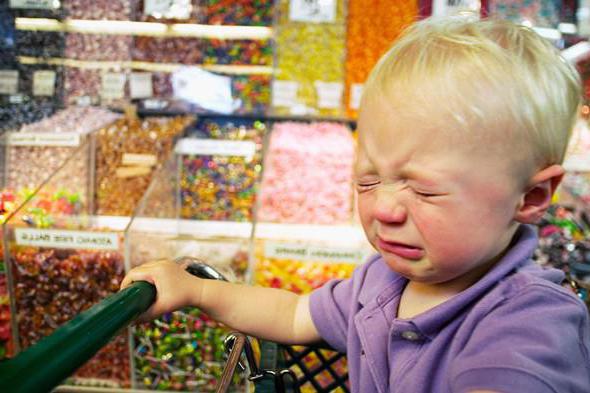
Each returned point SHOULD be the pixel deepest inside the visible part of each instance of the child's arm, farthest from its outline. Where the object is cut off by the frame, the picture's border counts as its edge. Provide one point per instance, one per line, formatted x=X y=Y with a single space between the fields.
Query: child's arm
x=267 y=313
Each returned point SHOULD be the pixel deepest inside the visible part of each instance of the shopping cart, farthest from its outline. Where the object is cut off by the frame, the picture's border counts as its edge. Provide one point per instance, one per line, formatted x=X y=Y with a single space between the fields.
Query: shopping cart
x=45 y=365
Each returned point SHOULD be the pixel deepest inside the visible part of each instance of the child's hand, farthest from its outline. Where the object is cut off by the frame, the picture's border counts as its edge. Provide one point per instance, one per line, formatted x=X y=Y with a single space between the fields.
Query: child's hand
x=175 y=287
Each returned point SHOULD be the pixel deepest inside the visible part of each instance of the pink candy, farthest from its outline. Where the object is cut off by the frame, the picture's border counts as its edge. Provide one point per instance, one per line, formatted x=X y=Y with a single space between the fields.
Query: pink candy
x=308 y=174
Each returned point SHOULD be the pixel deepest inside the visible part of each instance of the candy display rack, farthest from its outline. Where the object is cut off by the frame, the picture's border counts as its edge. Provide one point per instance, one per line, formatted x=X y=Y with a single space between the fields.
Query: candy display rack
x=183 y=350
x=61 y=260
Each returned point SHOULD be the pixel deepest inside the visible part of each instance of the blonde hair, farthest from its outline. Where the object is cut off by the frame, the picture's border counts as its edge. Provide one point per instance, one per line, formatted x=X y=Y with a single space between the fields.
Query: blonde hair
x=503 y=77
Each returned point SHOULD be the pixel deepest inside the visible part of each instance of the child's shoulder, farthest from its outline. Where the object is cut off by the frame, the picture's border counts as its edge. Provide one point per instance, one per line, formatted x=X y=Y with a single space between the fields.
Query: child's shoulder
x=534 y=287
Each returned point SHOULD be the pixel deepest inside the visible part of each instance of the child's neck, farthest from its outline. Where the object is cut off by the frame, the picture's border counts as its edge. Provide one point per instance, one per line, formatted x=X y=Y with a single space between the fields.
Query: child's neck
x=419 y=297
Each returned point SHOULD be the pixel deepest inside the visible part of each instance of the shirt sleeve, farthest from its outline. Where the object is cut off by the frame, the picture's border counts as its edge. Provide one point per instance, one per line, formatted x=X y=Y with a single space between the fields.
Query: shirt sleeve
x=536 y=342
x=333 y=305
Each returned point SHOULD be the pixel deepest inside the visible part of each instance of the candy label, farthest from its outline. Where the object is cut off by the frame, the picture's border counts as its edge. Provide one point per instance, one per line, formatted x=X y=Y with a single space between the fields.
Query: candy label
x=139 y=159
x=43 y=83
x=38 y=4
x=140 y=85
x=68 y=139
x=16 y=99
x=8 y=81
x=312 y=253
x=284 y=93
x=215 y=147
x=84 y=101
x=356 y=92
x=315 y=11
x=113 y=85
x=66 y=239
x=329 y=94
x=176 y=9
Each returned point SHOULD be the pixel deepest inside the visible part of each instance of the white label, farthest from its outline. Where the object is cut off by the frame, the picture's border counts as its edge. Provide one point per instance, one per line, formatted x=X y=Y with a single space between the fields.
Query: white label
x=139 y=159
x=456 y=7
x=215 y=147
x=329 y=94
x=156 y=6
x=140 y=85
x=113 y=85
x=8 y=81
x=84 y=101
x=155 y=104
x=66 y=239
x=43 y=83
x=69 y=139
x=38 y=4
x=315 y=11
x=284 y=93
x=312 y=253
x=356 y=92
x=16 y=99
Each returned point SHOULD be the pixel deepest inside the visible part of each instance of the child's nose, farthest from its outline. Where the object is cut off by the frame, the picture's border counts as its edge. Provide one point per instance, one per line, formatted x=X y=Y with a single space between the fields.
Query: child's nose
x=389 y=209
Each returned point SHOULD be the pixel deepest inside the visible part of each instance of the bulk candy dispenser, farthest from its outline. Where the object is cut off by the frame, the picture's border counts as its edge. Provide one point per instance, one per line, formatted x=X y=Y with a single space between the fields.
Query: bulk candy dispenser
x=182 y=351
x=303 y=160
x=128 y=152
x=310 y=54
x=301 y=258
x=61 y=260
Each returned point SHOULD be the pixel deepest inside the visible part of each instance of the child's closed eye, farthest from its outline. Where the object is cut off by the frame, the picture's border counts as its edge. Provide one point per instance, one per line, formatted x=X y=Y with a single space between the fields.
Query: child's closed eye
x=366 y=185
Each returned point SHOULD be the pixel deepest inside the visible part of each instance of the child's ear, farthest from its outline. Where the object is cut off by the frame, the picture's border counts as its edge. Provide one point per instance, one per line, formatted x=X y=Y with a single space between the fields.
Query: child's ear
x=537 y=198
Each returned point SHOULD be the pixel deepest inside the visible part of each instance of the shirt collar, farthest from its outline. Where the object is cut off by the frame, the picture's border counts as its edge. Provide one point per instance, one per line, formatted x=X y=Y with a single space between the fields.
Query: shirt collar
x=431 y=322
x=385 y=284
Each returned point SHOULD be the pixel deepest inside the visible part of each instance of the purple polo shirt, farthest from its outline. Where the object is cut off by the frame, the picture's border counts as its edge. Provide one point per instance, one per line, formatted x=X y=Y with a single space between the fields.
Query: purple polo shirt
x=515 y=330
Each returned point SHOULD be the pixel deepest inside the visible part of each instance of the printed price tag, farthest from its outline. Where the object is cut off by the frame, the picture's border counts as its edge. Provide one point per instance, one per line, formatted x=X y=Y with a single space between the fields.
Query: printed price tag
x=8 y=81
x=37 y=4
x=284 y=93
x=139 y=159
x=140 y=85
x=315 y=11
x=312 y=253
x=156 y=6
x=60 y=139
x=329 y=94
x=66 y=239
x=16 y=99
x=113 y=85
x=356 y=92
x=44 y=83
x=215 y=147
x=84 y=101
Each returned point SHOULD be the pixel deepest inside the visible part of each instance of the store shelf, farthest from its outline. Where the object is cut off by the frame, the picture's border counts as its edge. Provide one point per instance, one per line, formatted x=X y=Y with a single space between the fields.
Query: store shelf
x=146 y=66
x=152 y=29
x=334 y=234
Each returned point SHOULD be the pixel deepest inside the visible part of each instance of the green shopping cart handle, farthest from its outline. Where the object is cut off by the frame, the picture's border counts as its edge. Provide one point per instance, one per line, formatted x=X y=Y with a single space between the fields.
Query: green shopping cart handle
x=46 y=364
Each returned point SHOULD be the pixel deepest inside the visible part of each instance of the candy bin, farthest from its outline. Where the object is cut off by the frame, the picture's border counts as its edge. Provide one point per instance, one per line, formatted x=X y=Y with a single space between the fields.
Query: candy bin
x=370 y=32
x=310 y=54
x=128 y=152
x=183 y=350
x=308 y=174
x=221 y=165
x=564 y=234
x=301 y=258
x=61 y=261
x=37 y=151
x=245 y=12
x=539 y=13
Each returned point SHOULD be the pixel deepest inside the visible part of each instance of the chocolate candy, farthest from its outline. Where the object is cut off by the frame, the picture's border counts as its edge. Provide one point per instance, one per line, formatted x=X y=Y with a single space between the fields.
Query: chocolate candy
x=82 y=85
x=222 y=188
x=98 y=9
x=300 y=159
x=120 y=184
x=98 y=47
x=383 y=21
x=46 y=44
x=54 y=285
